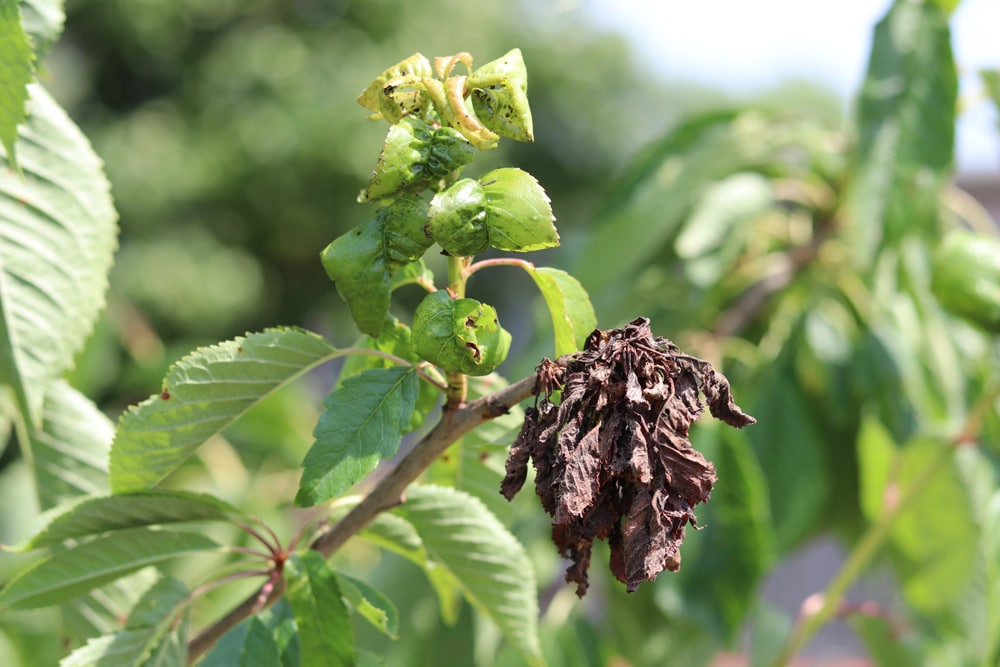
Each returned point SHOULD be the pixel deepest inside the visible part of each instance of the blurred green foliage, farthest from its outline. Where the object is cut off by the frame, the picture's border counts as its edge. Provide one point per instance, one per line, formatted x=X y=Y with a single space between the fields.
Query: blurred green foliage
x=763 y=237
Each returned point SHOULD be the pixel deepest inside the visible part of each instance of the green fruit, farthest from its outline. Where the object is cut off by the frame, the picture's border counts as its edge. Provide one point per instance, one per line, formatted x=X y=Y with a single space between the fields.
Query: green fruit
x=459 y=335
x=966 y=277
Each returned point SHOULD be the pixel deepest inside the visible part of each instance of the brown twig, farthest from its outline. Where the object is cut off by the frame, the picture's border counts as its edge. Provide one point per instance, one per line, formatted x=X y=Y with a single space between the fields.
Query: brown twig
x=388 y=493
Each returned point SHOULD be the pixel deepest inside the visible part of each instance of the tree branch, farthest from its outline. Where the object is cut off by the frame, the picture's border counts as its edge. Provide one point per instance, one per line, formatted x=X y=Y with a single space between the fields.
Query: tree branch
x=388 y=493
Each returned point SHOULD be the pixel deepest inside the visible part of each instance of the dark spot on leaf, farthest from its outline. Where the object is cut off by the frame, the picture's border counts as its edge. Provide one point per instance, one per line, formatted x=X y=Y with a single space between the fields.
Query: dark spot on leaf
x=165 y=395
x=239 y=350
x=471 y=323
x=477 y=354
x=613 y=460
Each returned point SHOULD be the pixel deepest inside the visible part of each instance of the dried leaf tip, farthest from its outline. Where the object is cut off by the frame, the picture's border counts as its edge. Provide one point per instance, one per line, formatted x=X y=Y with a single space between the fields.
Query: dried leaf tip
x=613 y=459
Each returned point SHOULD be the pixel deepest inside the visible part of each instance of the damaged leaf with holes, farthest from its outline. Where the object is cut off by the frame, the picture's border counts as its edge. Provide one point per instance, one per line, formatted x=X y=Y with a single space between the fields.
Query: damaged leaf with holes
x=459 y=335
x=416 y=155
x=613 y=459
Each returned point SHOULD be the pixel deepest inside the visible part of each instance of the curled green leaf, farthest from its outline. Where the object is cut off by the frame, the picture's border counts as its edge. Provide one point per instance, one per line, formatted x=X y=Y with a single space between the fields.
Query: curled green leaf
x=500 y=97
x=371 y=97
x=965 y=277
x=518 y=213
x=506 y=209
x=458 y=219
x=459 y=335
x=415 y=155
x=362 y=261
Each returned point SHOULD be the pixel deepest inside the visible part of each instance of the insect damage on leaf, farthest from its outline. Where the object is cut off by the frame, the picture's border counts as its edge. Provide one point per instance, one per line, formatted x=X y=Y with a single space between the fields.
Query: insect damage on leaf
x=612 y=459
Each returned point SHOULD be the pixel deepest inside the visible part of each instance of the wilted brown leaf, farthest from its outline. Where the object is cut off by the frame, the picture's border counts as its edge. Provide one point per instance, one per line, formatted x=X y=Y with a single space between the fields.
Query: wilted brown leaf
x=612 y=459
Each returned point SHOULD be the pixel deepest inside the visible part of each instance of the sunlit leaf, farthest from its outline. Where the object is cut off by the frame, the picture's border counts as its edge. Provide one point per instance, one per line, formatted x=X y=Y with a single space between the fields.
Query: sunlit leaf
x=500 y=96
x=140 y=641
x=371 y=604
x=459 y=335
x=69 y=572
x=518 y=213
x=572 y=313
x=506 y=209
x=414 y=156
x=488 y=562
x=325 y=631
x=395 y=339
x=906 y=127
x=57 y=235
x=70 y=448
x=934 y=540
x=362 y=261
x=91 y=516
x=43 y=20
x=396 y=534
x=415 y=65
x=202 y=394
x=363 y=423
x=16 y=73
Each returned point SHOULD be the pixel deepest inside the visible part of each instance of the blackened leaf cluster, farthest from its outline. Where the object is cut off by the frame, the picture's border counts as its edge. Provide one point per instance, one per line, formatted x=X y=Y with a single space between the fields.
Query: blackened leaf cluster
x=613 y=459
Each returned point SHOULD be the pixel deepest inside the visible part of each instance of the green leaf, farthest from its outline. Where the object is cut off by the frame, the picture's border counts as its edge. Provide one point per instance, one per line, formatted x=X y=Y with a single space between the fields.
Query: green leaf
x=91 y=516
x=202 y=394
x=371 y=604
x=57 y=236
x=414 y=156
x=965 y=277
x=518 y=214
x=69 y=572
x=876 y=453
x=416 y=65
x=69 y=452
x=934 y=541
x=396 y=534
x=259 y=648
x=991 y=82
x=459 y=335
x=146 y=627
x=724 y=562
x=573 y=317
x=506 y=209
x=886 y=642
x=488 y=562
x=172 y=651
x=769 y=631
x=320 y=614
x=16 y=72
x=906 y=127
x=790 y=450
x=362 y=261
x=457 y=219
x=500 y=96
x=662 y=185
x=363 y=423
x=476 y=463
x=414 y=273
x=100 y=612
x=43 y=21
x=281 y=626
x=394 y=338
